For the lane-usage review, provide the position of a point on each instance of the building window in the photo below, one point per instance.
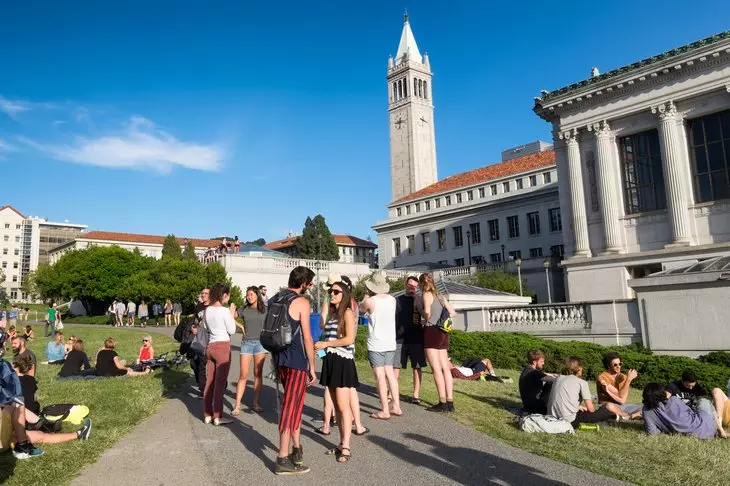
(533, 220)
(458, 237)
(411, 242)
(519, 184)
(448, 200)
(513, 226)
(426, 242)
(425, 90)
(469, 195)
(428, 205)
(15, 278)
(5, 251)
(458, 198)
(482, 192)
(399, 212)
(505, 187)
(408, 209)
(441, 237)
(547, 178)
(493, 189)
(643, 175)
(556, 224)
(515, 254)
(6, 238)
(17, 226)
(495, 258)
(557, 251)
(459, 262)
(16, 252)
(438, 203)
(418, 207)
(443, 262)
(476, 233)
(493, 229)
(7, 225)
(15, 264)
(710, 151)
(5, 264)
(535, 252)
(533, 180)
(396, 247)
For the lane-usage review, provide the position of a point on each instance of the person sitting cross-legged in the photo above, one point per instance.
(55, 349)
(613, 388)
(77, 363)
(569, 392)
(535, 384)
(108, 363)
(691, 393)
(668, 414)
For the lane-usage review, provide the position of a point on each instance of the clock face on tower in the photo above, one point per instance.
(399, 121)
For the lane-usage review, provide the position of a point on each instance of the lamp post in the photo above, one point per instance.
(319, 259)
(503, 259)
(546, 264)
(518, 263)
(468, 243)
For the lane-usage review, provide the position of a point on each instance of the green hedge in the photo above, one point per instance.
(509, 350)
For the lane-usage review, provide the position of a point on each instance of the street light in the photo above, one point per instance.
(319, 258)
(468, 243)
(503, 259)
(546, 264)
(518, 263)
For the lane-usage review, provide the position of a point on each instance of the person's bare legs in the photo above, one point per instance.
(131, 372)
(394, 391)
(258, 378)
(328, 411)
(37, 437)
(616, 410)
(245, 361)
(434, 360)
(382, 385)
(17, 415)
(720, 401)
(488, 365)
(344, 418)
(417, 375)
(446, 373)
(355, 407)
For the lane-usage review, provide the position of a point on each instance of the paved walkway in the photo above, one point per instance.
(174, 447)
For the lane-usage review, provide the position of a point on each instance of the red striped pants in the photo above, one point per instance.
(295, 390)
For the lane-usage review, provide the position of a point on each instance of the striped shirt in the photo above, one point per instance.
(330, 334)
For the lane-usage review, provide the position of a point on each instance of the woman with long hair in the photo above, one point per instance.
(168, 312)
(220, 323)
(436, 341)
(253, 315)
(339, 373)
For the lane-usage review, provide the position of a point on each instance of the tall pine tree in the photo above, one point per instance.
(315, 232)
(171, 248)
(189, 252)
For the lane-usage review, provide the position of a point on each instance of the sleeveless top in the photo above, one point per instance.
(294, 356)
(436, 308)
(144, 354)
(381, 325)
(330, 334)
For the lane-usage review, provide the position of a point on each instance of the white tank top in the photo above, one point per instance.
(381, 325)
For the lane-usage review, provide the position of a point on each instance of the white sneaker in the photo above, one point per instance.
(222, 421)
(208, 420)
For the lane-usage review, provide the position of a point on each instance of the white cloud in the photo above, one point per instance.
(6, 147)
(141, 144)
(13, 107)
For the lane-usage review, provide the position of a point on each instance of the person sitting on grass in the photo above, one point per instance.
(535, 384)
(108, 363)
(69, 346)
(77, 363)
(11, 333)
(55, 350)
(722, 410)
(613, 387)
(665, 413)
(569, 392)
(19, 350)
(146, 351)
(32, 408)
(691, 393)
(29, 335)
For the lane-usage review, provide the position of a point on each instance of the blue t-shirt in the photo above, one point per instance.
(675, 417)
(12, 314)
(55, 351)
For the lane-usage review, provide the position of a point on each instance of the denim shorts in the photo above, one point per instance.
(252, 347)
(379, 359)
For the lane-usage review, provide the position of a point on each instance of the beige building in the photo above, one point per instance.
(643, 162)
(352, 249)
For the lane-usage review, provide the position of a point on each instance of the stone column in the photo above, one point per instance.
(577, 196)
(608, 192)
(671, 146)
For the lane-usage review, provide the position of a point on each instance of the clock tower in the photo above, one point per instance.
(410, 109)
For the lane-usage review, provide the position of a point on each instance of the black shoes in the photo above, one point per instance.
(285, 467)
(439, 407)
(297, 456)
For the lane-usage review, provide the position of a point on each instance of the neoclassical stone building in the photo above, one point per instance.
(643, 162)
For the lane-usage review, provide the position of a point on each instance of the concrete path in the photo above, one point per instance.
(174, 447)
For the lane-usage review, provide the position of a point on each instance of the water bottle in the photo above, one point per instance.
(591, 427)
(286, 334)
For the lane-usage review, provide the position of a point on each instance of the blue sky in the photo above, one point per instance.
(243, 118)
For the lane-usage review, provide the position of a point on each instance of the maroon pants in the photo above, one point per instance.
(216, 379)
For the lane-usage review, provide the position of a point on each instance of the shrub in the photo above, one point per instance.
(721, 358)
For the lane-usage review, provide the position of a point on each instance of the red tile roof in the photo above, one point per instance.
(342, 240)
(486, 174)
(144, 239)
(13, 209)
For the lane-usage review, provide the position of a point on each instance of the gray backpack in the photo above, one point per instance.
(546, 424)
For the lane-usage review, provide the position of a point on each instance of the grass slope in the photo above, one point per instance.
(620, 451)
(116, 405)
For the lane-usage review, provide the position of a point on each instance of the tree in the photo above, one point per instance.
(316, 241)
(215, 273)
(257, 242)
(189, 252)
(29, 287)
(500, 281)
(4, 302)
(171, 248)
(358, 288)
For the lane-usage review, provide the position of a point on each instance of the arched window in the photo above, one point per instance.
(425, 90)
(405, 87)
(420, 88)
(395, 91)
(400, 89)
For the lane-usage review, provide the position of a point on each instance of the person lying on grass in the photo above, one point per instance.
(475, 369)
(32, 409)
(665, 413)
(613, 387)
(108, 363)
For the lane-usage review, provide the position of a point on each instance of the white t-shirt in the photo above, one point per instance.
(381, 324)
(131, 307)
(465, 371)
(220, 324)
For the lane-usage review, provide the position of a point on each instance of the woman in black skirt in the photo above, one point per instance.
(338, 366)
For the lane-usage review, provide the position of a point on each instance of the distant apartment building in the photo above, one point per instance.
(26, 242)
(352, 249)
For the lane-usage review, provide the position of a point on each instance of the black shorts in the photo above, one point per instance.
(416, 353)
(602, 414)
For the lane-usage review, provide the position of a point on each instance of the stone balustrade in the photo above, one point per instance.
(561, 316)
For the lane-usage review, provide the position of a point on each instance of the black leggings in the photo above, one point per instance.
(600, 415)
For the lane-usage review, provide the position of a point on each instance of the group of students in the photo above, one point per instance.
(123, 315)
(681, 407)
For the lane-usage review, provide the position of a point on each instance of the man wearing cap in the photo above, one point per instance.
(381, 342)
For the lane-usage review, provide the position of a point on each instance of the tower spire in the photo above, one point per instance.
(405, 16)
(407, 47)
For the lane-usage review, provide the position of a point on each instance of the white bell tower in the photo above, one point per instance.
(410, 108)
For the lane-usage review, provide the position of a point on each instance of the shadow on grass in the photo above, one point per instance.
(7, 465)
(463, 465)
(508, 404)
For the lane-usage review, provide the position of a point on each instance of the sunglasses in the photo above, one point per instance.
(145, 340)
(334, 292)
(616, 365)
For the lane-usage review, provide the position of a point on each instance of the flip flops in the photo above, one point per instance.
(320, 431)
(377, 416)
(364, 431)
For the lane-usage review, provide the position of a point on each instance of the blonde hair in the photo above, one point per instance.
(427, 284)
(79, 345)
(573, 364)
(110, 343)
(147, 337)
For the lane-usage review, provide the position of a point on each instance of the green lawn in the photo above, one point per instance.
(117, 405)
(620, 451)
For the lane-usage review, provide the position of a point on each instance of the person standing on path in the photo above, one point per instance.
(144, 313)
(262, 292)
(50, 328)
(121, 311)
(156, 311)
(13, 316)
(221, 326)
(296, 371)
(381, 342)
(176, 312)
(408, 326)
(253, 315)
(339, 373)
(168, 312)
(436, 342)
(131, 311)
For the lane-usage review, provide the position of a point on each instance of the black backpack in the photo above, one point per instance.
(276, 334)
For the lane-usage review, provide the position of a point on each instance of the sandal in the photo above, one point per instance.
(321, 431)
(415, 401)
(342, 457)
(257, 409)
(236, 412)
(334, 451)
(365, 430)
